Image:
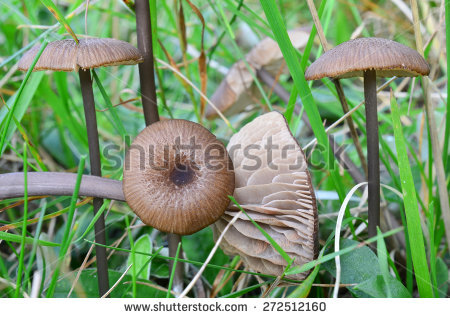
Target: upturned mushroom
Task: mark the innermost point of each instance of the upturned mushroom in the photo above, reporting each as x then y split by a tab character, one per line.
237	90
370	58
89	53
273	186
177	177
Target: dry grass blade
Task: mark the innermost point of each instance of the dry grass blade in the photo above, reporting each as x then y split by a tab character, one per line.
201	59
57	14
338	234
340	120
47	217
178	73
19	203
183	80
117	283
210	256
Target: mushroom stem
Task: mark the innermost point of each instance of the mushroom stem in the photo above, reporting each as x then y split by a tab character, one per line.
148	91
94	157
59	184
146	68
343	158
373	157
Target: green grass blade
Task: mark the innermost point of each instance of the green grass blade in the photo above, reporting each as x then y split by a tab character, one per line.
65	243
172	274
447	118
60	17
275	245
279	30
35	243
6	121
92	223
246	290
24	224
302	291
133	258
411	208
328	257
117	122
383	261
9	237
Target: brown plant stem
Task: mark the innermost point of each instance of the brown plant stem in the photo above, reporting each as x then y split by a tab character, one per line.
94	157
148	92
373	157
146	68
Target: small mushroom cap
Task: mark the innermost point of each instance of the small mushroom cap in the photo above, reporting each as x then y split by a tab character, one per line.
68	56
237	90
351	58
177	177
275	190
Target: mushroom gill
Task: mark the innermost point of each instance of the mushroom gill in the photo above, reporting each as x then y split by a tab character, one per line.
274	187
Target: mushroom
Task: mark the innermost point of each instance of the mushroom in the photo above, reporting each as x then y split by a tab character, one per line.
237	91
69	56
274	187
370	58
177	177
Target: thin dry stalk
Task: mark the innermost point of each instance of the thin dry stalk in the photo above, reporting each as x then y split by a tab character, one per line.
339	89
210	256
117	283
437	155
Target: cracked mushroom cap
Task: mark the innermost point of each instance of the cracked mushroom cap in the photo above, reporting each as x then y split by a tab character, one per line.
274	188
351	58
68	56
177	177
237	91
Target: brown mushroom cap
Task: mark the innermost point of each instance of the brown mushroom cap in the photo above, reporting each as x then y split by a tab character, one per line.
177	176
277	193
351	58
68	56
237	90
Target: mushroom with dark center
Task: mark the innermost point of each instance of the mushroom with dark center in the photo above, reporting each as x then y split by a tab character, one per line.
370	58
177	177
182	175
68	56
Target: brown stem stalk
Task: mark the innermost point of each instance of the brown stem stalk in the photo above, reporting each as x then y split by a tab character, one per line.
148	91
373	156
94	157
146	68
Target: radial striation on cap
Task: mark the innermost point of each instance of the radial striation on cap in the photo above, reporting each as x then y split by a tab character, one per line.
351	58
68	56
177	177
276	191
